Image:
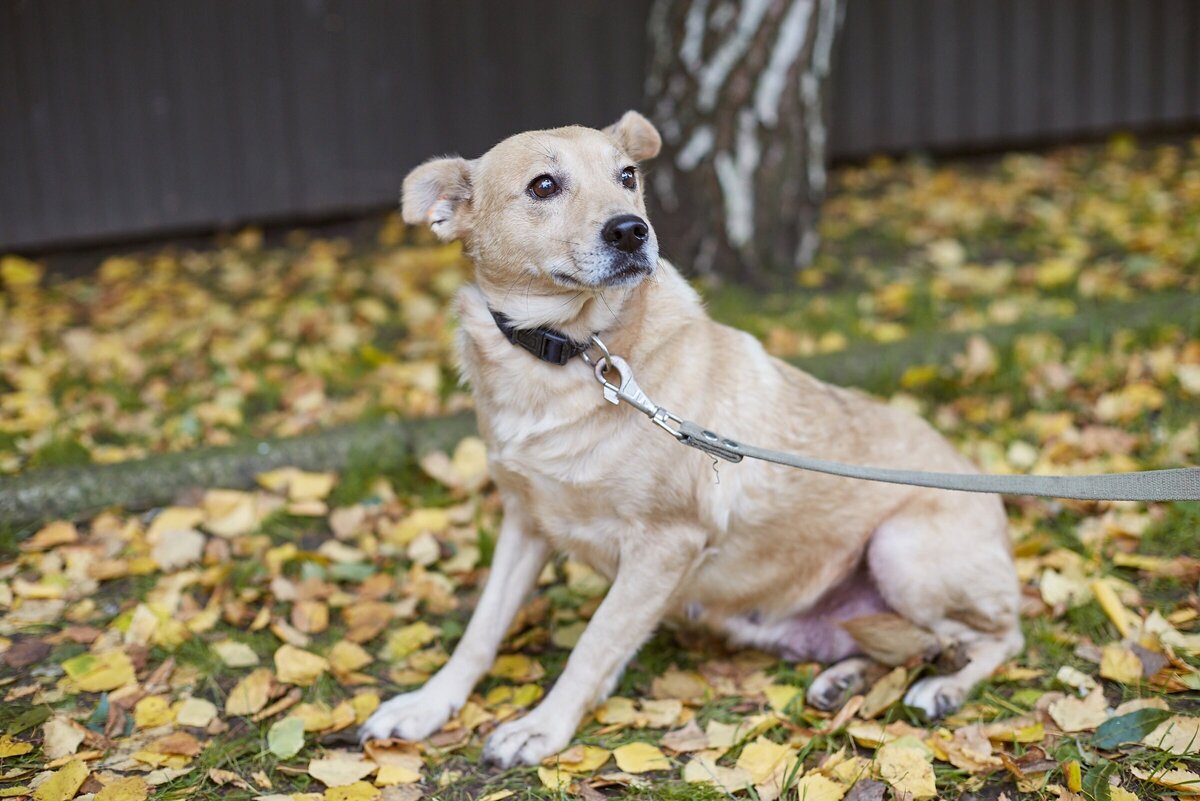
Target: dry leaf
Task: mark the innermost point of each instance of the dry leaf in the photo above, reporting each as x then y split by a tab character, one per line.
250	694
299	667
340	771
640	758
1073	714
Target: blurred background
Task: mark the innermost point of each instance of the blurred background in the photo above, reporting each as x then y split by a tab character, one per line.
142	119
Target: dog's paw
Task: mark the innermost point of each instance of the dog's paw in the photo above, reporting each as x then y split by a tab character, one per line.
936	696
412	716
833	686
526	741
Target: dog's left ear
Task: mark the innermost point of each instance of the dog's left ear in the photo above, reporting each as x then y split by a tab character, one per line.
636	135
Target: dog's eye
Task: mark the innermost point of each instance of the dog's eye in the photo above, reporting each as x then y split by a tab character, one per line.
544	186
629	178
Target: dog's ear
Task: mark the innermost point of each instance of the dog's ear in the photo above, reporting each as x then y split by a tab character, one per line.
438	194
636	135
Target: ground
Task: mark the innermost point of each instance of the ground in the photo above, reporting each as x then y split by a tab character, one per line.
1040	309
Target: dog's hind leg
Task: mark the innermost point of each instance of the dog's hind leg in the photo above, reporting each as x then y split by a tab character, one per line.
834	685
943	562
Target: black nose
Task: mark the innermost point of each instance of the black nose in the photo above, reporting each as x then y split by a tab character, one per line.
627	232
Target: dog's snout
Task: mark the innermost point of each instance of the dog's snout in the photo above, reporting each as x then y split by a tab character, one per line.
627	232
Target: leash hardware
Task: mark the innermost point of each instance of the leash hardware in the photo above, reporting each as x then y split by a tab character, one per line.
626	389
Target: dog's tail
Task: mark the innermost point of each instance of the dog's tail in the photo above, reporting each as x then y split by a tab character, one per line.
891	639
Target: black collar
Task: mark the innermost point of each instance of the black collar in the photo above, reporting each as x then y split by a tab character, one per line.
547	344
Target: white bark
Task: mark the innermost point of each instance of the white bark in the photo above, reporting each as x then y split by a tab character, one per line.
788	43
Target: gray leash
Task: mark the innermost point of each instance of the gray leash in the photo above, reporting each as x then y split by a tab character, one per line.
1180	484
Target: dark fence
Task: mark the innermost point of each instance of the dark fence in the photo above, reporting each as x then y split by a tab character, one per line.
138	117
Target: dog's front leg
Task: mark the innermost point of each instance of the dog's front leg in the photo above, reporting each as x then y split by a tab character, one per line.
653	564
519	557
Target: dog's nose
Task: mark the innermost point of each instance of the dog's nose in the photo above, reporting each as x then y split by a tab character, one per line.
627	232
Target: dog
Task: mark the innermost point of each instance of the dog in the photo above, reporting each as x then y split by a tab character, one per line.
770	557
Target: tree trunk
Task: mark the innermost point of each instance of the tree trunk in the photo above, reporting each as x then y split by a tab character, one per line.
739	91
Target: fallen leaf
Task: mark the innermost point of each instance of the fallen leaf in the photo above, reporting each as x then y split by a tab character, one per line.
130	788
760	758
235	654
61	737
357	791
1074	714
64	783
96	673
906	765
196	712
1179	735
1119	663
885	692
296	666
815	787
285	738
340	771
250	694
640	758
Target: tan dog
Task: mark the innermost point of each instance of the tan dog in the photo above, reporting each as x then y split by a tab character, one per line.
771	556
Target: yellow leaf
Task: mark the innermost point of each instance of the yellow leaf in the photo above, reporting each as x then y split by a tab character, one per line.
196	712
358	791
250	694
131	788
406	640
579	758
173	518
1119	663
152	711
396	774
10	747
516	667
339	772
64	783
1178	735
363	705
885	692
315	717
1177	778
616	711
702	768
60	532
19	272
296	666
97	673
815	787
760	758
1073	714
659	713
499	795
554	779
906	765
640	758
780	695
235	654
346	657
684	685
1106	596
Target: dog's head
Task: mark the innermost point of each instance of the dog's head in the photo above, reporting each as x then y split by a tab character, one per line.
558	210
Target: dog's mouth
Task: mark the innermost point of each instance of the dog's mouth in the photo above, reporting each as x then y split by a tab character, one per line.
628	271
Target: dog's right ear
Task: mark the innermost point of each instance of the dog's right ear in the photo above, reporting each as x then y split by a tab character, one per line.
438	194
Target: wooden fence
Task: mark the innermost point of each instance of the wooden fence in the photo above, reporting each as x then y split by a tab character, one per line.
126	118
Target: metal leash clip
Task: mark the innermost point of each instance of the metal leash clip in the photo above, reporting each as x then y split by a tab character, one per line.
626	389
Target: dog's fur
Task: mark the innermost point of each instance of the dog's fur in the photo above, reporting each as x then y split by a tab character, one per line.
770	556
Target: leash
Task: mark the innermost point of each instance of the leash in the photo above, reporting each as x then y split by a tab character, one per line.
1179	484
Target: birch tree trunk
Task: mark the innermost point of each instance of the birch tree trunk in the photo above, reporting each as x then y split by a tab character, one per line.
739	91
